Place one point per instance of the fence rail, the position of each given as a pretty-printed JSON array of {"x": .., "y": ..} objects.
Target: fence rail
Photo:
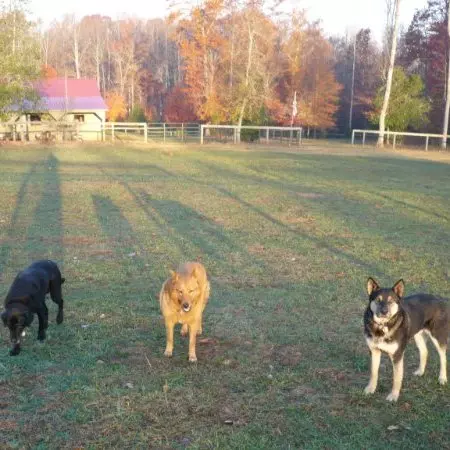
[
  {"x": 397, "y": 134},
  {"x": 236, "y": 133},
  {"x": 107, "y": 131}
]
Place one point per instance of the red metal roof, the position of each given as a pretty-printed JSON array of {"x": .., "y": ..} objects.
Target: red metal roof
[
  {"x": 71, "y": 94},
  {"x": 56, "y": 87}
]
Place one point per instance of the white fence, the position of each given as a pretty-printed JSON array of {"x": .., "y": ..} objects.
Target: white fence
[
  {"x": 424, "y": 138},
  {"x": 235, "y": 133},
  {"x": 50, "y": 131},
  {"x": 153, "y": 132},
  {"x": 183, "y": 132},
  {"x": 57, "y": 131}
]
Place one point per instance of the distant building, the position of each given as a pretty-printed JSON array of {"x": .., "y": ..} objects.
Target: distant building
[{"x": 75, "y": 106}]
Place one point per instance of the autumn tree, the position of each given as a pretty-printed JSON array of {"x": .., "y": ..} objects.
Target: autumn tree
[
  {"x": 253, "y": 74},
  {"x": 177, "y": 107},
  {"x": 48, "y": 72},
  {"x": 200, "y": 44},
  {"x": 117, "y": 109},
  {"x": 309, "y": 71}
]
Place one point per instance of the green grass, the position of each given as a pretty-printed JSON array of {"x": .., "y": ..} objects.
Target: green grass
[{"x": 288, "y": 239}]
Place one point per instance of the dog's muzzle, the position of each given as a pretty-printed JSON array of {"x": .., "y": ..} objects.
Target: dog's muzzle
[{"x": 186, "y": 307}]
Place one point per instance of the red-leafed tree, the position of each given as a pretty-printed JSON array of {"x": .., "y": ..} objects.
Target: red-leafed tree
[{"x": 178, "y": 108}]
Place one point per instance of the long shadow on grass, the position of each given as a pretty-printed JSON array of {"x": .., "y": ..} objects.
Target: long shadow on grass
[
  {"x": 192, "y": 234},
  {"x": 45, "y": 234},
  {"x": 360, "y": 215},
  {"x": 115, "y": 226},
  {"x": 195, "y": 234},
  {"x": 319, "y": 242},
  {"x": 362, "y": 172},
  {"x": 332, "y": 206},
  {"x": 6, "y": 247}
]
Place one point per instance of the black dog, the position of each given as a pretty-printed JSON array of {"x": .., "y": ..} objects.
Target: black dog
[
  {"x": 27, "y": 297},
  {"x": 390, "y": 321}
]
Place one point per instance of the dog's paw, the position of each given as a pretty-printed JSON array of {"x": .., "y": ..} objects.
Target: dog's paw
[
  {"x": 369, "y": 389},
  {"x": 442, "y": 380},
  {"x": 192, "y": 358},
  {"x": 41, "y": 336},
  {"x": 419, "y": 372},
  {"x": 60, "y": 318},
  {"x": 184, "y": 330},
  {"x": 14, "y": 351},
  {"x": 168, "y": 353},
  {"x": 393, "y": 396}
]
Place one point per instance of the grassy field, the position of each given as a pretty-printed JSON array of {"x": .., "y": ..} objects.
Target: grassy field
[{"x": 288, "y": 239}]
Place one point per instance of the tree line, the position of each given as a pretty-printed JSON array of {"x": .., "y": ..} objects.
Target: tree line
[{"x": 237, "y": 61}]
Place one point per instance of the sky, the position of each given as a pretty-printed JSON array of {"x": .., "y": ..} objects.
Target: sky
[{"x": 337, "y": 16}]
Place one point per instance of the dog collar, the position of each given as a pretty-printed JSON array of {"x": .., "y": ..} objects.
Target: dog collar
[{"x": 384, "y": 328}]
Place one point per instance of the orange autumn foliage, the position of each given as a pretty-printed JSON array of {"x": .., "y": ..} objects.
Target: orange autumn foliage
[
  {"x": 309, "y": 71},
  {"x": 48, "y": 72},
  {"x": 117, "y": 109},
  {"x": 200, "y": 45}
]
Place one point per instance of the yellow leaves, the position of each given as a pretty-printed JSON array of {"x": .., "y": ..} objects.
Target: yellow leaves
[{"x": 116, "y": 106}]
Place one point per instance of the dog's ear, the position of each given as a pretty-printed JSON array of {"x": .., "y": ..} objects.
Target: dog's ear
[
  {"x": 173, "y": 275},
  {"x": 5, "y": 318},
  {"x": 372, "y": 286},
  {"x": 399, "y": 288}
]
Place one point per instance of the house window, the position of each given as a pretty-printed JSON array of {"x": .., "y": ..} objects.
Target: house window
[
  {"x": 78, "y": 117},
  {"x": 35, "y": 117}
]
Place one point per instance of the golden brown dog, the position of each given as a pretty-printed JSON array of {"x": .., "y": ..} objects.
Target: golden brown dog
[{"x": 183, "y": 298}]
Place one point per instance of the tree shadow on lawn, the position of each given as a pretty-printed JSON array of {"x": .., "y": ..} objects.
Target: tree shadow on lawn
[
  {"x": 375, "y": 219},
  {"x": 44, "y": 233},
  {"x": 188, "y": 234},
  {"x": 125, "y": 242},
  {"x": 228, "y": 174},
  {"x": 320, "y": 243},
  {"x": 362, "y": 172}
]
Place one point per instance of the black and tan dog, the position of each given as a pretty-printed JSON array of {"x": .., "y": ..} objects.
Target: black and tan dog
[
  {"x": 26, "y": 297},
  {"x": 391, "y": 320}
]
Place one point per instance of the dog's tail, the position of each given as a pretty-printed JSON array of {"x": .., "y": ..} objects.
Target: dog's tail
[{"x": 62, "y": 280}]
